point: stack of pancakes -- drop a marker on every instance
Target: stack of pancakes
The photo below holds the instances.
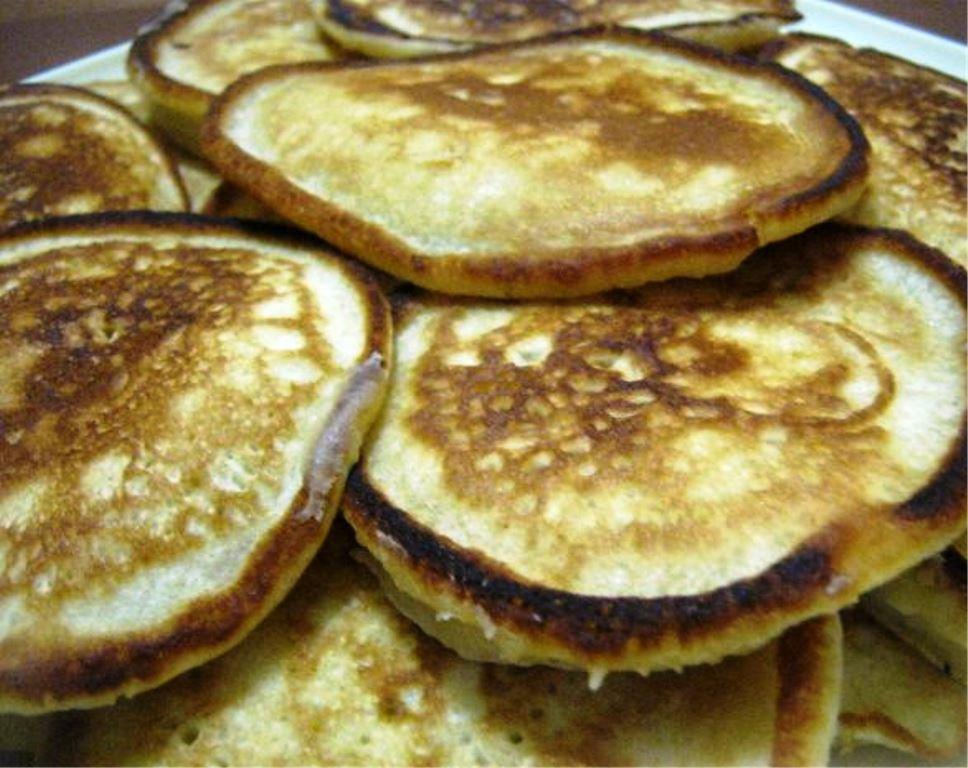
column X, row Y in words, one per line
column 601, row 412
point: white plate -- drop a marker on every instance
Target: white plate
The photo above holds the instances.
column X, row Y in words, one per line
column 103, row 65
column 820, row 17
column 865, row 29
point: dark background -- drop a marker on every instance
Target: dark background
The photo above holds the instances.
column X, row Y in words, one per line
column 39, row 34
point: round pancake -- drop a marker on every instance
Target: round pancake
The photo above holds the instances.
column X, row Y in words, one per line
column 654, row 479
column 66, row 151
column 336, row 676
column 915, row 119
column 556, row 168
column 181, row 399
column 196, row 51
column 400, row 28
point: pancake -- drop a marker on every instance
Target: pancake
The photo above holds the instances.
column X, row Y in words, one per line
column 181, row 400
column 654, row 479
column 67, row 151
column 893, row 697
column 915, row 119
column 404, row 28
column 556, row 168
column 926, row 607
column 336, row 676
column 199, row 178
column 195, row 51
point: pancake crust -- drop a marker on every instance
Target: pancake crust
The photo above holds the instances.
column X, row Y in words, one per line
column 400, row 28
column 562, row 167
column 893, row 697
column 66, row 151
column 195, row 52
column 336, row 676
column 915, row 120
column 649, row 480
column 181, row 399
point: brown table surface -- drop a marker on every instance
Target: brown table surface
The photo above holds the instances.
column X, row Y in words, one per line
column 29, row 45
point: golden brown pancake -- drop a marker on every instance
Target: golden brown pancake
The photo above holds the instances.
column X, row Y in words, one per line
column 192, row 53
column 915, row 120
column 401, row 28
column 336, row 676
column 656, row 479
column 555, row 168
column 200, row 179
column 893, row 697
column 180, row 401
column 67, row 151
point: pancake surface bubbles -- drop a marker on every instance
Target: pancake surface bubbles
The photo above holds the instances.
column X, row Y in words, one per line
column 561, row 167
column 166, row 384
column 65, row 151
column 915, row 119
column 654, row 479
